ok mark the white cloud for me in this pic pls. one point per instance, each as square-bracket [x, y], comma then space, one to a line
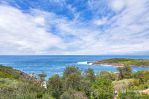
[21, 34]
[127, 32]
[100, 21]
[117, 5]
[40, 20]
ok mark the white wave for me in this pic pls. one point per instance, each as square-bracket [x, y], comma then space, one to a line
[84, 63]
[90, 63]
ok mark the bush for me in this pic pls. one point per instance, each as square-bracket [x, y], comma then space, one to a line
[107, 75]
[89, 75]
[72, 78]
[143, 76]
[123, 85]
[55, 86]
[132, 95]
[72, 94]
[129, 95]
[102, 89]
[125, 72]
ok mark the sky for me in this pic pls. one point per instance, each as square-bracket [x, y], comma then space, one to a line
[74, 27]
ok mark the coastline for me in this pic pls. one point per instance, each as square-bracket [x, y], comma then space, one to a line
[106, 64]
[121, 62]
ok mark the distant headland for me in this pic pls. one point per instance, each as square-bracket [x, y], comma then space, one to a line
[120, 62]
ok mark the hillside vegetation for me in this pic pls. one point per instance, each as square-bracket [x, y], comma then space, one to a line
[74, 84]
[15, 84]
[124, 61]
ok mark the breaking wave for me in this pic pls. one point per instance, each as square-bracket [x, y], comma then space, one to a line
[84, 63]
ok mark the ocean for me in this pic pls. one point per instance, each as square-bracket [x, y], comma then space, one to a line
[56, 64]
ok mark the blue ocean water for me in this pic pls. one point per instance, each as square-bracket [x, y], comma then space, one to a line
[55, 64]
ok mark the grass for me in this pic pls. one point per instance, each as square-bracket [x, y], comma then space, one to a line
[8, 72]
[8, 83]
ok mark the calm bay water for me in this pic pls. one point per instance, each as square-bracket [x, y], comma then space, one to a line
[55, 64]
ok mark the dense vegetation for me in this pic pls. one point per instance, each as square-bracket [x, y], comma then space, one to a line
[74, 84]
[124, 61]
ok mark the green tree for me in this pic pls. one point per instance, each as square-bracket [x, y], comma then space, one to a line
[72, 78]
[107, 75]
[86, 87]
[70, 70]
[55, 86]
[125, 72]
[143, 76]
[86, 83]
[102, 89]
[89, 75]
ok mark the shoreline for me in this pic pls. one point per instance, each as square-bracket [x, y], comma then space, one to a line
[121, 62]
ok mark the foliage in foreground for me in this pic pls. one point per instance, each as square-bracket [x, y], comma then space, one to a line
[74, 84]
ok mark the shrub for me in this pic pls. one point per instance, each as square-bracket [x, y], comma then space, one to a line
[143, 76]
[89, 75]
[55, 86]
[125, 72]
[72, 94]
[72, 78]
[102, 89]
[107, 75]
[129, 95]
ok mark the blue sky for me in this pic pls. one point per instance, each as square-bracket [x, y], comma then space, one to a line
[72, 27]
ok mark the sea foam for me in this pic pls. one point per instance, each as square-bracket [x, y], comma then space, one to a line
[84, 63]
